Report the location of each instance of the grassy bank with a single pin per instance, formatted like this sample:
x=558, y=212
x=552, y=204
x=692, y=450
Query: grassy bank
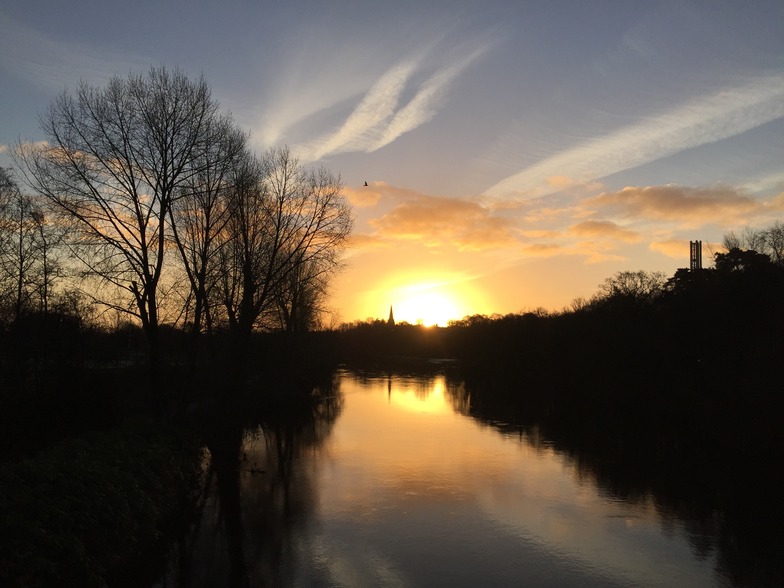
x=94, y=511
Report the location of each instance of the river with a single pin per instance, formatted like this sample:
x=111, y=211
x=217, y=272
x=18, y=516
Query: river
x=391, y=482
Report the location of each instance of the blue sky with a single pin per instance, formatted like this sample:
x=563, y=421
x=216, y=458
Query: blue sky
x=517, y=153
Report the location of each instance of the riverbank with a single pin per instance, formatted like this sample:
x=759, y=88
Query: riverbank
x=97, y=510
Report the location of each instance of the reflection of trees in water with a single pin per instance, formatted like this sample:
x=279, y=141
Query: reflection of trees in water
x=417, y=377
x=258, y=495
x=719, y=483
x=458, y=395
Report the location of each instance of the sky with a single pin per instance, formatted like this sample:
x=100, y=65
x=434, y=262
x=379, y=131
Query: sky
x=517, y=153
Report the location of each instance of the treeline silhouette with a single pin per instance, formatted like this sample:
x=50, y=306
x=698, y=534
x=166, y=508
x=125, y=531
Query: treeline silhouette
x=697, y=328
x=663, y=389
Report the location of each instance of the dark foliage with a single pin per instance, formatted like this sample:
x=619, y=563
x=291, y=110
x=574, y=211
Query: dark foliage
x=93, y=511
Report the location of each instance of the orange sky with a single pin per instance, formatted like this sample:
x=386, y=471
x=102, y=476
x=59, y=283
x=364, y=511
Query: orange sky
x=440, y=258
x=517, y=153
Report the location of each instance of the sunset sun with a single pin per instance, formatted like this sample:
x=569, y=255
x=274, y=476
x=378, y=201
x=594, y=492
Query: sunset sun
x=427, y=308
x=428, y=304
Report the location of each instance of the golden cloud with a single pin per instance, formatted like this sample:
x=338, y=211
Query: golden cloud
x=688, y=206
x=446, y=221
x=543, y=249
x=362, y=197
x=540, y=234
x=604, y=230
x=595, y=252
x=675, y=248
x=365, y=241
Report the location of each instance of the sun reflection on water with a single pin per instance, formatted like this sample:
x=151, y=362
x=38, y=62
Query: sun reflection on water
x=431, y=399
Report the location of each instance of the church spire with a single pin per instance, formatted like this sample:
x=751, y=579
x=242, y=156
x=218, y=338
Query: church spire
x=391, y=319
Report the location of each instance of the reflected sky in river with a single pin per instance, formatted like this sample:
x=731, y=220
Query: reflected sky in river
x=398, y=487
x=414, y=488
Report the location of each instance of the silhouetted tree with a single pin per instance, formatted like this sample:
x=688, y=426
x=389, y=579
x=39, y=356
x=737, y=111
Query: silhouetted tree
x=639, y=285
x=28, y=260
x=115, y=159
x=774, y=243
x=9, y=198
x=768, y=241
x=686, y=282
x=739, y=260
x=299, y=298
x=200, y=212
x=286, y=223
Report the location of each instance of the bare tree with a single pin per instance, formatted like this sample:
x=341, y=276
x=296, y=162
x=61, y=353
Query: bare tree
x=28, y=262
x=749, y=239
x=300, y=297
x=773, y=239
x=287, y=223
x=115, y=160
x=9, y=196
x=731, y=241
x=301, y=294
x=199, y=213
x=768, y=241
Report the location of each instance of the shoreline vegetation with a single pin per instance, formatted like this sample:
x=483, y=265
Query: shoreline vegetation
x=670, y=393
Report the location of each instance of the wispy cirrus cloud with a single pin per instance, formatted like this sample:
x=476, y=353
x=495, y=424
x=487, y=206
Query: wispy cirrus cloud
x=706, y=119
x=361, y=128
x=379, y=118
x=423, y=106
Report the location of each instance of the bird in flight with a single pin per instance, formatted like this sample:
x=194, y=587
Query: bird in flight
x=366, y=183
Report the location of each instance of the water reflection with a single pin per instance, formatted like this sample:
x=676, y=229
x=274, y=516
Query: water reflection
x=715, y=483
x=409, y=480
x=497, y=497
x=258, y=496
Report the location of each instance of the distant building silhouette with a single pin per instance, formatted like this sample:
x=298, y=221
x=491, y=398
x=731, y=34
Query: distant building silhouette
x=391, y=319
x=695, y=255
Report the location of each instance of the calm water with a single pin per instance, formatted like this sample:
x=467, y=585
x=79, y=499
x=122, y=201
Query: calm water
x=391, y=484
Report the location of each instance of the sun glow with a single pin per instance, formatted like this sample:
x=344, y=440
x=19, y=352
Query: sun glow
x=427, y=304
x=425, y=298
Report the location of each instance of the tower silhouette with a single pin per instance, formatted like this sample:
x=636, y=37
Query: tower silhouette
x=695, y=255
x=391, y=319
